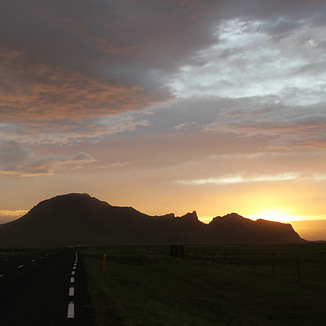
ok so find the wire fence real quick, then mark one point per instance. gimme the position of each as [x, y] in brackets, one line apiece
[300, 263]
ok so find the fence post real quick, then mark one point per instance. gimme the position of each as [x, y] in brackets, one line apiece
[219, 313]
[104, 263]
[298, 270]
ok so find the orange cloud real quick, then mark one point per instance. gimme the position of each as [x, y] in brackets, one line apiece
[61, 93]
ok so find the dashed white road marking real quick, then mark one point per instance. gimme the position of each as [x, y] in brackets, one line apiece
[20, 266]
[33, 260]
[71, 305]
[71, 310]
[71, 291]
[1, 275]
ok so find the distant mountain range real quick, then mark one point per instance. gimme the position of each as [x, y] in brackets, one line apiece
[79, 219]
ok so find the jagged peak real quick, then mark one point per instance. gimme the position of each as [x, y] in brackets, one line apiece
[189, 216]
[165, 216]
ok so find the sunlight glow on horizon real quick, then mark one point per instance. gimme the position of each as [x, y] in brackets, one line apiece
[276, 215]
[273, 215]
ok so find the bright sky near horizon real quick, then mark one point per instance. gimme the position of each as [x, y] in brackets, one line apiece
[166, 106]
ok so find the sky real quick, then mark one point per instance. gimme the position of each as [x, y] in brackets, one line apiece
[166, 106]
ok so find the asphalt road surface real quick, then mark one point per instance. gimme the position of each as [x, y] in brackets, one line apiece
[43, 288]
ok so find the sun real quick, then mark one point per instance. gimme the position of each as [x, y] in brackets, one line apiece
[274, 214]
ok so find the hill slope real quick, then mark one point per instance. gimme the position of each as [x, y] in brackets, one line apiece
[79, 219]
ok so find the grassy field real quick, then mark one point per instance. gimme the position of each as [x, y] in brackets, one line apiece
[216, 285]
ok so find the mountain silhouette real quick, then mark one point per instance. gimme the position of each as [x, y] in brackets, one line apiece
[79, 219]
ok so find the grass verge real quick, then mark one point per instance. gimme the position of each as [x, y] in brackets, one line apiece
[145, 287]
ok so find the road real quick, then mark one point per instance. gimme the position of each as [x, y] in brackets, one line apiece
[43, 287]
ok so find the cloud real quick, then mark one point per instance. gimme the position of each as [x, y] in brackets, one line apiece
[65, 60]
[240, 178]
[64, 131]
[15, 213]
[273, 10]
[114, 124]
[77, 72]
[193, 79]
[286, 126]
[278, 125]
[10, 215]
[16, 160]
[115, 165]
[13, 156]
[246, 62]
[43, 93]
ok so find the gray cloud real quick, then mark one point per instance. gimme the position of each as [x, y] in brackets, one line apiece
[101, 56]
[246, 62]
[82, 59]
[17, 160]
[272, 10]
[12, 156]
[76, 71]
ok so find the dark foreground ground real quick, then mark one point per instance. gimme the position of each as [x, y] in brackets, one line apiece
[215, 285]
